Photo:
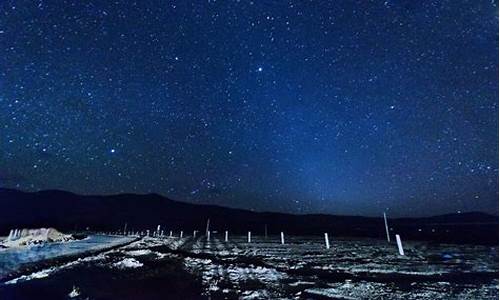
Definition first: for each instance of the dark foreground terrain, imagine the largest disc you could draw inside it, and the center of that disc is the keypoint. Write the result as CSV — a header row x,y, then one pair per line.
x,y
302,268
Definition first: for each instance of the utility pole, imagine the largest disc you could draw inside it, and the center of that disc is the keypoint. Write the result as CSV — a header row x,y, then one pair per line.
x,y
387,229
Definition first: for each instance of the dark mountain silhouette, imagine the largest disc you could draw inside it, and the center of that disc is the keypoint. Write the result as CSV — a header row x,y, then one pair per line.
x,y
70,212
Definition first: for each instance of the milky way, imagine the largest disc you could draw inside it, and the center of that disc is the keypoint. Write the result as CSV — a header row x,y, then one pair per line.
x,y
346,107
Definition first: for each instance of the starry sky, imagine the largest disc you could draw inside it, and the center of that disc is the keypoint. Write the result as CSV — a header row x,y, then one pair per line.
x,y
343,107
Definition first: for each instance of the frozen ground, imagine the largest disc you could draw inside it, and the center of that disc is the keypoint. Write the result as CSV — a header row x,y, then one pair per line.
x,y
16,258
357,269
265,269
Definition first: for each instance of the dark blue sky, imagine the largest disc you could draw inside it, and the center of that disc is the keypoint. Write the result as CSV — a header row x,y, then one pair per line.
x,y
346,107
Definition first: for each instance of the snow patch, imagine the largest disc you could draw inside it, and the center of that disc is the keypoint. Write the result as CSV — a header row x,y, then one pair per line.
x,y
128,263
139,252
74,293
36,275
260,294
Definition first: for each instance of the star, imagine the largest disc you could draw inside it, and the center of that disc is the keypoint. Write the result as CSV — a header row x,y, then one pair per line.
x,y
345,107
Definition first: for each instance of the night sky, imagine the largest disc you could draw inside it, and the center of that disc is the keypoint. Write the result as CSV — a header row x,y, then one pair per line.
x,y
344,107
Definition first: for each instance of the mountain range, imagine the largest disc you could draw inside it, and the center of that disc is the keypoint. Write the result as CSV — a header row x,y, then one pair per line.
x,y
71,212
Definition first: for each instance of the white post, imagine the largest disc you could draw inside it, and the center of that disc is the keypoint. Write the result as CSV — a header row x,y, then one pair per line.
x,y
194,233
158,228
282,238
147,232
400,245
387,229
162,233
208,227
171,233
226,236
327,242
249,236
11,233
208,236
182,233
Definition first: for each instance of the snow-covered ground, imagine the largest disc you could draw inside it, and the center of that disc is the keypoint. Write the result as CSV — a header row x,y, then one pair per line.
x,y
358,269
300,269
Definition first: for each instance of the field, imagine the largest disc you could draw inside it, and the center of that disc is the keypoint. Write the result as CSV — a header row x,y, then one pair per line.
x,y
302,268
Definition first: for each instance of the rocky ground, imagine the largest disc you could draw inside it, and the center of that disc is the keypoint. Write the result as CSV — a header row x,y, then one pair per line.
x,y
190,268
